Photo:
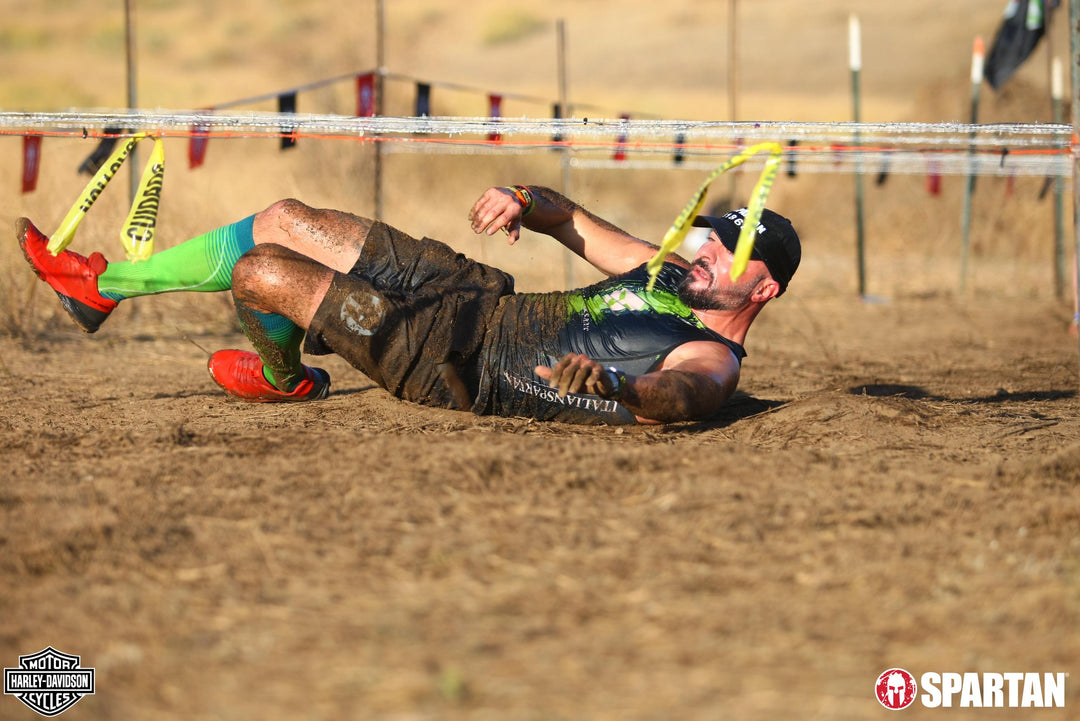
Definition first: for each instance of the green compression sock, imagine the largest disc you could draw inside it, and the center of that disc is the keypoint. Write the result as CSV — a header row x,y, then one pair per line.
x,y
203,264
277,341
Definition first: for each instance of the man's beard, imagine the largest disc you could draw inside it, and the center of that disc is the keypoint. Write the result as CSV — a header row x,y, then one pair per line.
x,y
702,299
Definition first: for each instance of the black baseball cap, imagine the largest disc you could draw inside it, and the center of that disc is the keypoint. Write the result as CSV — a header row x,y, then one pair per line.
x,y
776,245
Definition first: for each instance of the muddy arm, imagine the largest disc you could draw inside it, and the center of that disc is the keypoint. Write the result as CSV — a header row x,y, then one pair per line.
x,y
609,249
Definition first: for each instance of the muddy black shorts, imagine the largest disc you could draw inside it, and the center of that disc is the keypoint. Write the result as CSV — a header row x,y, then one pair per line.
x,y
411,315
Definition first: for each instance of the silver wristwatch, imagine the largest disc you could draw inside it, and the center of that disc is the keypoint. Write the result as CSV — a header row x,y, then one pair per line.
x,y
618,383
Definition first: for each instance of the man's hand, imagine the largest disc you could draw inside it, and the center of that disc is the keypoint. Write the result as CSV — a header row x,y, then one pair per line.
x,y
694,381
497,209
576,373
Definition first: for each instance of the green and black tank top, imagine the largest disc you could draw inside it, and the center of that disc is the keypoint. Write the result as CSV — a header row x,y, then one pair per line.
x,y
616,322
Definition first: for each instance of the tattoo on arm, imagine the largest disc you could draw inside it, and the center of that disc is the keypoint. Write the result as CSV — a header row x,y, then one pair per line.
x,y
557,199
563,203
673,395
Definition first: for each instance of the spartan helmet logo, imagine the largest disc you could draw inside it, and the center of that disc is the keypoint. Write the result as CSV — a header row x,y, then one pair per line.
x,y
896,689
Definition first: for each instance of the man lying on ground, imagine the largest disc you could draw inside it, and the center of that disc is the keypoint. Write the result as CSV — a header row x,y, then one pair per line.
x,y
434,327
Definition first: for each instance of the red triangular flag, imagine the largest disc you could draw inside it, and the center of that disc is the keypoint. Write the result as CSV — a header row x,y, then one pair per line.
x,y
197,145
933,179
495,105
620,150
31,162
365,95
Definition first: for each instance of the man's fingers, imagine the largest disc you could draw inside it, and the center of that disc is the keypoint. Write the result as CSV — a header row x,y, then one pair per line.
x,y
581,376
481,205
496,209
567,374
594,383
553,375
481,215
563,362
507,218
555,379
490,218
573,373
566,379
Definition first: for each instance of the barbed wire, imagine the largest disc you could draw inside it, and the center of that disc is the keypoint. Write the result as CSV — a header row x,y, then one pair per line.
x,y
947,148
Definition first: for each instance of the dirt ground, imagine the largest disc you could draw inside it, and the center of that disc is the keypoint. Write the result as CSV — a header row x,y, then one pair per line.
x,y
896,484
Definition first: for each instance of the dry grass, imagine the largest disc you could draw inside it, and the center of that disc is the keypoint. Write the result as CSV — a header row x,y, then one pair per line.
x,y
511,25
663,58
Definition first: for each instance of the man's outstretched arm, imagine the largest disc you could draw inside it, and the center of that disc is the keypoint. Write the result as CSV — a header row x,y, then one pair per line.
x,y
692,385
609,249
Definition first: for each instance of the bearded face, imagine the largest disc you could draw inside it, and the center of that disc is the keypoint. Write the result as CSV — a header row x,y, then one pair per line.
x,y
702,289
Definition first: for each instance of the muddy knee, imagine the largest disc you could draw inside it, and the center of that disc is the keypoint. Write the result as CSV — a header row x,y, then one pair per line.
x,y
274,279
285,211
263,274
281,216
299,219
332,237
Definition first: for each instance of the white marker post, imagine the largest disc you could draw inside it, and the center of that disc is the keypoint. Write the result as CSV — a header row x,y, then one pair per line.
x,y
1057,93
380,85
855,63
564,106
969,189
132,88
1074,18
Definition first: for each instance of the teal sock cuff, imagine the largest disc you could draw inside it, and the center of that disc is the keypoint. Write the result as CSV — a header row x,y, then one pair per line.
x,y
278,328
235,240
277,340
245,234
204,264
113,295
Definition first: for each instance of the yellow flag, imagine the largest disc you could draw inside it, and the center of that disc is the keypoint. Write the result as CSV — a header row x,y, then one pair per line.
x,y
137,235
66,232
677,232
758,196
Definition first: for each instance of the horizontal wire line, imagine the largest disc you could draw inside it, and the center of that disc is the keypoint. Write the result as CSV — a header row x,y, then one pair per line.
x,y
947,148
997,135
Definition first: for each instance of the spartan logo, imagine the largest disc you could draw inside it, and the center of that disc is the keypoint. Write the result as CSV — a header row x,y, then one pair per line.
x,y
895,689
49,682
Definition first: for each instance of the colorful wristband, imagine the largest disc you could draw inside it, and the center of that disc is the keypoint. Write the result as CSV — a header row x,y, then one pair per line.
x,y
524,198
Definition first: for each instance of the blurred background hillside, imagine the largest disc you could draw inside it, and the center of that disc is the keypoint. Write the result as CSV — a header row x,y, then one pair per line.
x,y
665,59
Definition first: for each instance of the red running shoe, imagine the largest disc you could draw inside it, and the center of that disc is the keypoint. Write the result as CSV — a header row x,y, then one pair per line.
x,y
72,276
240,374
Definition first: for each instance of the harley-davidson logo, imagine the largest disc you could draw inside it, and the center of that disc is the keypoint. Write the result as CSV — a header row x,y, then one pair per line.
x,y
49,681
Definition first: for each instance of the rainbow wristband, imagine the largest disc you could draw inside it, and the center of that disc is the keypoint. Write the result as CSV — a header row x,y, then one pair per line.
x,y
524,198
